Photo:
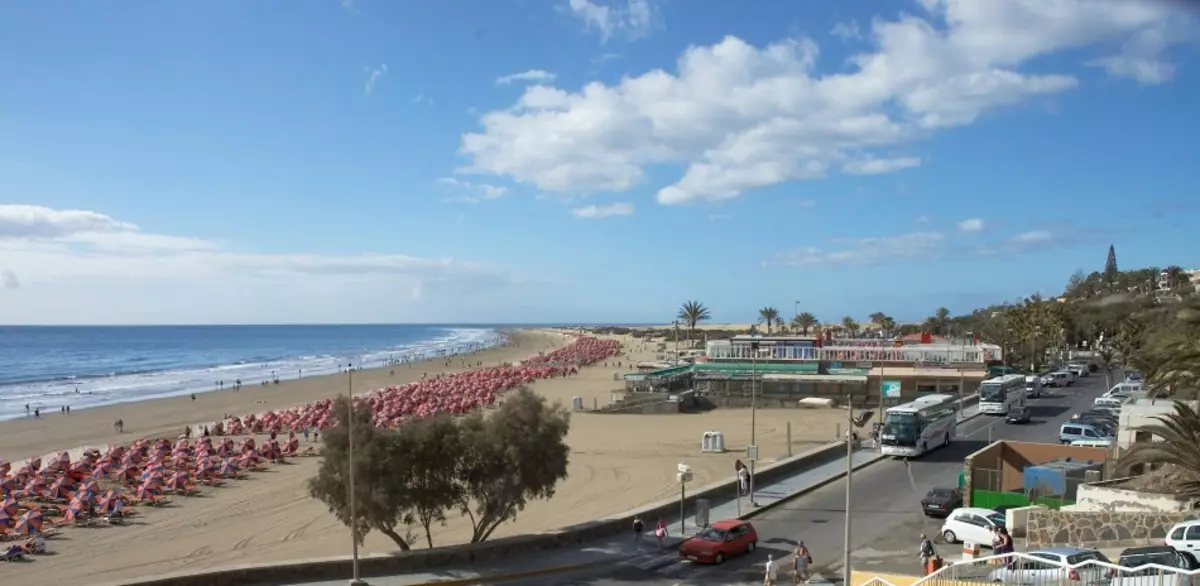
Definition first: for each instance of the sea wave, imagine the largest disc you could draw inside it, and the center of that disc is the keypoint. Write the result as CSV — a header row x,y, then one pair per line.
x,y
84,391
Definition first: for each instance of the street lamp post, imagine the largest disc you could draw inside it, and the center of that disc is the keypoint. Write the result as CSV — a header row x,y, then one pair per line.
x,y
356,579
753,451
849,475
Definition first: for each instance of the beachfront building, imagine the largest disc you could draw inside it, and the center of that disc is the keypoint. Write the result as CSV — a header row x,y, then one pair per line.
x,y
869,371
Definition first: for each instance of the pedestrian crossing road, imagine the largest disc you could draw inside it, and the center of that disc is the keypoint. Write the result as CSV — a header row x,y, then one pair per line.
x,y
669,565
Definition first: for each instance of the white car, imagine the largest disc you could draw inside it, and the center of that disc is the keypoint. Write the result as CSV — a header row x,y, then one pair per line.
x,y
971,525
1054,566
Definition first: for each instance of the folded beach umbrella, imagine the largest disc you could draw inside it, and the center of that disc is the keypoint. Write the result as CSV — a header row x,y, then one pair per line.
x,y
24,528
8,483
6,520
9,505
35,464
145,492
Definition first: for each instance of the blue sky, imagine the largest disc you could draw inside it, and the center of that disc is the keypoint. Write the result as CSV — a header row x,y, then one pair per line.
x,y
583,160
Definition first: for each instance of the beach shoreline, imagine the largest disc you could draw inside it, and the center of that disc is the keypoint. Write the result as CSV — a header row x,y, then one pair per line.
x,y
27,437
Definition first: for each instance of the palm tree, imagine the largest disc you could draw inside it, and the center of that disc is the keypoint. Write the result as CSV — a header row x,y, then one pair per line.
x,y
692,313
850,325
888,325
877,318
804,321
1174,274
1106,355
1180,446
768,315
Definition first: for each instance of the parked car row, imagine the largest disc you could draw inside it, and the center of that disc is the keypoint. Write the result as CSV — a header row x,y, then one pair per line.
x,y
1158,565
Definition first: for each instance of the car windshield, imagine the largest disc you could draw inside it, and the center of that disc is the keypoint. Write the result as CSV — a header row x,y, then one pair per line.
x,y
711,534
1162,558
991,392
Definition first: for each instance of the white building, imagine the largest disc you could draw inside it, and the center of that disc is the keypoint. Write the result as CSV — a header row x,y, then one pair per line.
x,y
1136,416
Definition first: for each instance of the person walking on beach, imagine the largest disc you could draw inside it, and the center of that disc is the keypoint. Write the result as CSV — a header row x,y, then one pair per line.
x,y
37,413
638,529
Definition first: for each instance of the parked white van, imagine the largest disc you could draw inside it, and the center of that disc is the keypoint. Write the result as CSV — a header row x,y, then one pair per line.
x,y
1127,388
1063,378
1033,386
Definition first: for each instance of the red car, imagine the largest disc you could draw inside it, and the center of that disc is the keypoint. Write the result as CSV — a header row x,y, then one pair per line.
x,y
719,542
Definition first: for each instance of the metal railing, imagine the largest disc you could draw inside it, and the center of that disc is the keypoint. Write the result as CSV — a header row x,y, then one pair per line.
x,y
1049,568
910,355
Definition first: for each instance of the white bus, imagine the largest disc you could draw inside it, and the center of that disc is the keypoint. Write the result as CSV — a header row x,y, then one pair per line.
x,y
914,428
998,395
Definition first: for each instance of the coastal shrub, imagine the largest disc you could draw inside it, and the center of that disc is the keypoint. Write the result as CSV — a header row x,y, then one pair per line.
x,y
485,467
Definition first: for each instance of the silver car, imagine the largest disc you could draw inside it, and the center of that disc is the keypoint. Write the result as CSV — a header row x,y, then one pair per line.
x,y
1056,569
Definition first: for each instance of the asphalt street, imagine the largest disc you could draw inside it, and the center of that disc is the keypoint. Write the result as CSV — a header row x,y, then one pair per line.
x,y
886,522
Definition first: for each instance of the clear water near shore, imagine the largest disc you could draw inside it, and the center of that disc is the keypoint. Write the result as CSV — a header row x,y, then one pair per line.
x,y
48,367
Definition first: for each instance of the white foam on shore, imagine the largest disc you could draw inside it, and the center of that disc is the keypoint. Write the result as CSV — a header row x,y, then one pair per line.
x,y
96,392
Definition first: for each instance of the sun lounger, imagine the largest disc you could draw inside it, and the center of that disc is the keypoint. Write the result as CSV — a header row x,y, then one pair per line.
x,y
13,553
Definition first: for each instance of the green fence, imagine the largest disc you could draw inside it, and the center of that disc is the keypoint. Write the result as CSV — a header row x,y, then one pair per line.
x,y
990,499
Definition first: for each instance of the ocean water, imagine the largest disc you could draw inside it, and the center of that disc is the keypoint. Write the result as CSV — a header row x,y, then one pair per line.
x,y
49,367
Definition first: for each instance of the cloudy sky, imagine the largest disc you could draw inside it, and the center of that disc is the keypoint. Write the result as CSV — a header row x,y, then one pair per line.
x,y
223,161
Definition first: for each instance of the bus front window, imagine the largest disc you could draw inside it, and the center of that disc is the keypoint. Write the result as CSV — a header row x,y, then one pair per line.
x,y
900,429
991,393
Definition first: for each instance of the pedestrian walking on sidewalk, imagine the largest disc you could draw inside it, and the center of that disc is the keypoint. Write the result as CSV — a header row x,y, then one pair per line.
x,y
660,532
926,554
638,529
772,571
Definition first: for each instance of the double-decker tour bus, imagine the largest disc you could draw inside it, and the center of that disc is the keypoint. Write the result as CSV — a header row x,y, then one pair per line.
x,y
914,428
998,395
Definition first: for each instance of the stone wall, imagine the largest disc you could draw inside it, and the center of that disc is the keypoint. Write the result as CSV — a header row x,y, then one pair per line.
x,y
1099,529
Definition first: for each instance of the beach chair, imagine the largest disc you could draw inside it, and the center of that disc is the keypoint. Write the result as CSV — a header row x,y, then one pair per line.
x,y
13,553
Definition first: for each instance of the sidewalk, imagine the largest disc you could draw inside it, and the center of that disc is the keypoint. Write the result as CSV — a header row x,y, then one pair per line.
x,y
621,548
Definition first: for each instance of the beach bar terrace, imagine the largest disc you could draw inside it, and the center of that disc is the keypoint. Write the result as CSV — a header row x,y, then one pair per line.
x,y
794,348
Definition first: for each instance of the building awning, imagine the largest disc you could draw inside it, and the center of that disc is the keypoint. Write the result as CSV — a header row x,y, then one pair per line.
x,y
816,378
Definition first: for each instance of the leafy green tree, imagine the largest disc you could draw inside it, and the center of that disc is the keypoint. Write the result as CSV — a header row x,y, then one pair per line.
x,y
1105,355
804,322
423,457
381,499
769,316
888,325
516,454
692,313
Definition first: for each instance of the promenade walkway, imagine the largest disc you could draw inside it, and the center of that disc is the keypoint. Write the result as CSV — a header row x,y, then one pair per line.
x,y
622,548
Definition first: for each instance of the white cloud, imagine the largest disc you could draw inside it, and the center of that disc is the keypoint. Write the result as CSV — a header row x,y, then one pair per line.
x,y
632,18
594,212
738,117
532,75
873,166
86,267
971,226
477,192
846,31
374,74
866,251
422,99
1032,237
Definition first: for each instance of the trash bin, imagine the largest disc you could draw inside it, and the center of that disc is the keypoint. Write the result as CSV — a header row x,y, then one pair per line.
x,y
703,506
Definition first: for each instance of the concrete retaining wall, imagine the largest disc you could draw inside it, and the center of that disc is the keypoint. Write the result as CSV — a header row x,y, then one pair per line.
x,y
458,555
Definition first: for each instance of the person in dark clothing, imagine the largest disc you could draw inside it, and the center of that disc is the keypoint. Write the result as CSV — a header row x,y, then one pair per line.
x,y
638,529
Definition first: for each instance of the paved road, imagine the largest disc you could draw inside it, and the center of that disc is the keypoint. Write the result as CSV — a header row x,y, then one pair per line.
x,y
887,519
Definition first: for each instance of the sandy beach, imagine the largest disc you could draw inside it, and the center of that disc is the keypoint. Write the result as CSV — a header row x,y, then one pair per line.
x,y
618,462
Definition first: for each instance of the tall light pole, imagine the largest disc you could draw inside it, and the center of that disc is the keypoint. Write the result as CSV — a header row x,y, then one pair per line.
x,y
356,579
849,474
753,409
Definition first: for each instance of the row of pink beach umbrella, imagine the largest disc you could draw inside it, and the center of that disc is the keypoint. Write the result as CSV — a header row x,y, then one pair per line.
x,y
455,394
